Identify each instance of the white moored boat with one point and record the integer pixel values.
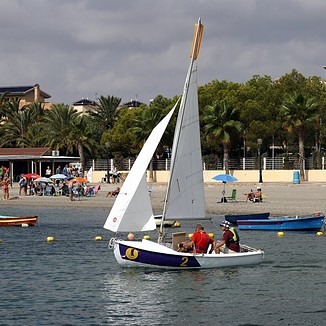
(185, 198)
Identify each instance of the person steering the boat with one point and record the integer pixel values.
(230, 239)
(199, 243)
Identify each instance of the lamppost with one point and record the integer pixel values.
(260, 141)
(107, 146)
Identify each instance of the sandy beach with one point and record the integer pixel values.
(281, 199)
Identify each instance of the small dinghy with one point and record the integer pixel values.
(185, 197)
(18, 220)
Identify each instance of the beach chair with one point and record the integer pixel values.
(89, 192)
(233, 196)
(260, 199)
(96, 189)
(49, 191)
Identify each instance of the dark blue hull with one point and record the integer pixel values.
(153, 255)
(255, 216)
(310, 223)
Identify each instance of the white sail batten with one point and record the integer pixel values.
(132, 210)
(185, 195)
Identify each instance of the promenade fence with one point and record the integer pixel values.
(248, 163)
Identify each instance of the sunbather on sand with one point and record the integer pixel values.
(254, 196)
(113, 193)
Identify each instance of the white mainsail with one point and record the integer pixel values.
(185, 196)
(132, 210)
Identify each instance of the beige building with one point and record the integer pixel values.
(84, 106)
(26, 94)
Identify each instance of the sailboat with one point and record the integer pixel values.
(185, 197)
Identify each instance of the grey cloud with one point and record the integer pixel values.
(131, 48)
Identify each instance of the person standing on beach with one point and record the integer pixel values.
(22, 185)
(5, 185)
(71, 191)
(58, 170)
(65, 170)
(48, 172)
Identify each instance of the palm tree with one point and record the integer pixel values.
(17, 125)
(143, 125)
(81, 137)
(3, 99)
(38, 110)
(221, 125)
(106, 112)
(297, 111)
(67, 130)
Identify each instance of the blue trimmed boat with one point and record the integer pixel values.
(286, 223)
(255, 216)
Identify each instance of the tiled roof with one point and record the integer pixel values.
(133, 104)
(38, 151)
(84, 101)
(20, 90)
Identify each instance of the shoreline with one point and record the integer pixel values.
(282, 199)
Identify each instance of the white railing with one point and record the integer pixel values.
(248, 163)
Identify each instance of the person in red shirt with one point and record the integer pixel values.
(199, 243)
(230, 239)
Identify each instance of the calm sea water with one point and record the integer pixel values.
(76, 281)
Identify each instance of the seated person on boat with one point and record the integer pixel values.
(230, 240)
(199, 243)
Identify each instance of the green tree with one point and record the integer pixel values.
(296, 112)
(18, 126)
(67, 130)
(106, 112)
(143, 124)
(222, 124)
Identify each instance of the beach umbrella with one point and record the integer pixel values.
(58, 176)
(78, 180)
(43, 180)
(81, 180)
(224, 178)
(32, 176)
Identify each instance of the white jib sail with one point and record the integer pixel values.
(132, 210)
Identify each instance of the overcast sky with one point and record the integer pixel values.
(140, 48)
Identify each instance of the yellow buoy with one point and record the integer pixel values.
(49, 239)
(319, 233)
(146, 237)
(177, 224)
(280, 234)
(190, 235)
(211, 235)
(98, 238)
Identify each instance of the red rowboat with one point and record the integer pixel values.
(18, 221)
